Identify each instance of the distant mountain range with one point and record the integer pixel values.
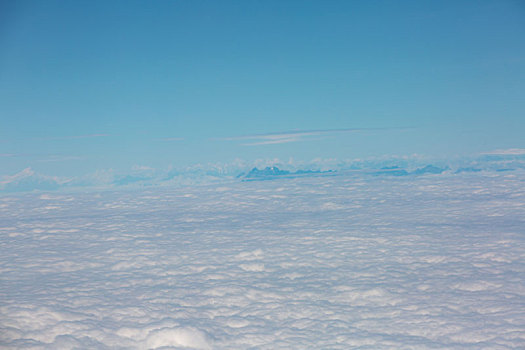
(29, 180)
(397, 171)
(273, 171)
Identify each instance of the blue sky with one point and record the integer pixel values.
(91, 85)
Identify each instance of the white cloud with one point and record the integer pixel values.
(29, 180)
(507, 152)
(297, 135)
(172, 139)
(275, 138)
(24, 173)
(142, 168)
(72, 137)
(178, 337)
(278, 139)
(58, 158)
(265, 265)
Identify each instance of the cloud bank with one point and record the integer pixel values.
(329, 262)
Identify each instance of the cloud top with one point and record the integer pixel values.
(314, 263)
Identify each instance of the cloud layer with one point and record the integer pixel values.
(328, 262)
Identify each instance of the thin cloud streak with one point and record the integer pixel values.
(507, 152)
(73, 137)
(274, 141)
(172, 139)
(56, 158)
(41, 157)
(275, 135)
(298, 135)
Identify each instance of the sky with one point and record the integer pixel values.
(409, 231)
(91, 85)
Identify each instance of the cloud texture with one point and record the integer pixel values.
(328, 262)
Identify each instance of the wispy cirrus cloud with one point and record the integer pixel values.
(272, 139)
(72, 137)
(42, 157)
(297, 135)
(507, 152)
(167, 139)
(58, 158)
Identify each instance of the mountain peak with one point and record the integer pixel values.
(268, 171)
